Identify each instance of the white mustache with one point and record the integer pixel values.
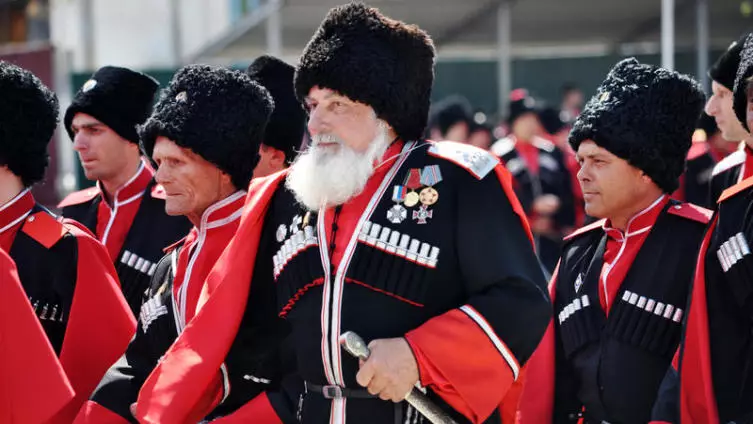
(325, 138)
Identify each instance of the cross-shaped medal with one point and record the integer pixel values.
(422, 214)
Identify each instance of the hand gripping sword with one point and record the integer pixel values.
(354, 345)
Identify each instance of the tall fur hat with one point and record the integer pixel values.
(28, 117)
(373, 59)
(286, 125)
(744, 74)
(118, 97)
(219, 114)
(645, 115)
(724, 69)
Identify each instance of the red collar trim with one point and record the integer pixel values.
(640, 222)
(15, 210)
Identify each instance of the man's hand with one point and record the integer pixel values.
(547, 204)
(391, 371)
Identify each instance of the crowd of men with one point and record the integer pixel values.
(214, 268)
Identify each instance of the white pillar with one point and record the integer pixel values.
(668, 34)
(274, 30)
(702, 37)
(504, 61)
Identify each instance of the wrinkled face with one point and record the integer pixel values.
(720, 106)
(191, 183)
(103, 153)
(610, 184)
(335, 120)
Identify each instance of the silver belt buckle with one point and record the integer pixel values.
(332, 392)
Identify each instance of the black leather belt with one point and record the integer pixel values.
(337, 392)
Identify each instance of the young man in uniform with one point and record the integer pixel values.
(738, 165)
(66, 274)
(284, 134)
(126, 208)
(622, 283)
(203, 137)
(421, 248)
(717, 355)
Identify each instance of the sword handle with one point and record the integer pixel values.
(354, 345)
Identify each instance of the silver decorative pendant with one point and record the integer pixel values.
(397, 214)
(282, 231)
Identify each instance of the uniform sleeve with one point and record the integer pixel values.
(100, 323)
(120, 386)
(506, 311)
(33, 385)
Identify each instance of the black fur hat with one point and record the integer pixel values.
(118, 97)
(372, 59)
(551, 119)
(28, 117)
(286, 125)
(450, 111)
(521, 103)
(724, 69)
(744, 72)
(219, 114)
(645, 115)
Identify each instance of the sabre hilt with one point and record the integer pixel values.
(354, 345)
(357, 347)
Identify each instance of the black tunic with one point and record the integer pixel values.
(615, 367)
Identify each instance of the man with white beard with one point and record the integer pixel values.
(421, 248)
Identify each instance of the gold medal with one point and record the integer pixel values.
(411, 199)
(428, 196)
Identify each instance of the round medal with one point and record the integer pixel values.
(411, 199)
(397, 214)
(428, 196)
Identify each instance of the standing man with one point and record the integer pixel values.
(284, 134)
(738, 165)
(205, 158)
(717, 356)
(66, 274)
(419, 247)
(126, 208)
(542, 181)
(622, 283)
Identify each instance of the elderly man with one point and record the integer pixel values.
(126, 209)
(421, 248)
(717, 358)
(66, 274)
(622, 283)
(203, 137)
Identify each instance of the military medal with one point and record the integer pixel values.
(430, 176)
(412, 182)
(397, 213)
(422, 214)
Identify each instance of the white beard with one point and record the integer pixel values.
(330, 176)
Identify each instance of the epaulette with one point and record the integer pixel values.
(502, 146)
(733, 159)
(588, 228)
(544, 144)
(692, 212)
(44, 228)
(735, 189)
(79, 197)
(476, 161)
(158, 192)
(697, 150)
